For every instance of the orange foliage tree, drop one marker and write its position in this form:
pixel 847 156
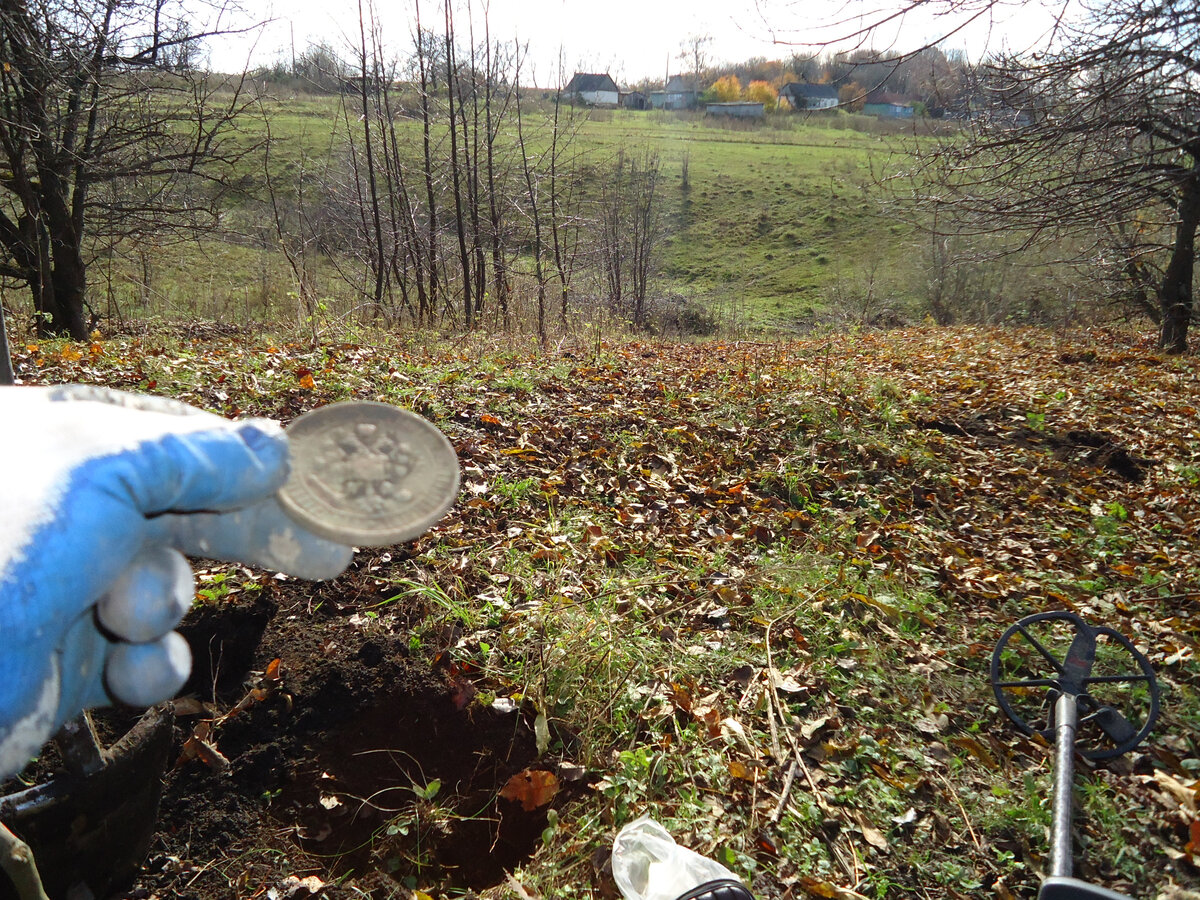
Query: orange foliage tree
pixel 852 96
pixel 762 92
pixel 727 89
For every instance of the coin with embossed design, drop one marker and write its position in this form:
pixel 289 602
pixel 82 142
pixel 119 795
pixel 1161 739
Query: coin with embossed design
pixel 368 474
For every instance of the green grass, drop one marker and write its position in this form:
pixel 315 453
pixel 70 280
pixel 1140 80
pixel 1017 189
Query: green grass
pixel 775 217
pixel 610 580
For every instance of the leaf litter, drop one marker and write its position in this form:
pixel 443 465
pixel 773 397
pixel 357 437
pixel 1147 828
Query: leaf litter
pixel 753 588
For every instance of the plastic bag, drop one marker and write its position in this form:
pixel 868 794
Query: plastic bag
pixel 648 865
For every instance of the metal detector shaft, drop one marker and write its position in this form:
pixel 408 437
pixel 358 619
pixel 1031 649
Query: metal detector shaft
pixel 1034 641
pixel 1066 722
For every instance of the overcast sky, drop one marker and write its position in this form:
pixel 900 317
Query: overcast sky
pixel 633 38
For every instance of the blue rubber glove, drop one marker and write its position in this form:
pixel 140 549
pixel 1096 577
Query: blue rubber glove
pixel 102 494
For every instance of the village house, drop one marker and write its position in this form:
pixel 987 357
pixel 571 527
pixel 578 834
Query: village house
pixel 888 105
pixel 635 100
pixel 809 96
pixel 593 90
pixel 889 110
pixel 680 92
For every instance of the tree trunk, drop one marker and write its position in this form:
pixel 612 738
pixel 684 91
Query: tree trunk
pixel 1175 295
pixel 58 283
pixel 68 284
pixel 460 225
pixel 7 376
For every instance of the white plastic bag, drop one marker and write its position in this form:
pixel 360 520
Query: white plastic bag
pixel 648 865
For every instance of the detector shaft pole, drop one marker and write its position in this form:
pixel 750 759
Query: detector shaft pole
pixel 1066 723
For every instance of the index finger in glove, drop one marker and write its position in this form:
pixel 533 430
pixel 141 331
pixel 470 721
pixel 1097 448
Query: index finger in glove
pixel 213 469
pixel 260 535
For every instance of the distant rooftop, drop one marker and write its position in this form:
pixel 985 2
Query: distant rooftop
pixel 584 81
pixel 809 91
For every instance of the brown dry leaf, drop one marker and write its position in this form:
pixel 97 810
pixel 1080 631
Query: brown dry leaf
pixel 188 706
pixel 1192 847
pixel 197 748
pixel 743 772
pixel 519 889
pixel 977 750
pixel 1184 794
pixel 1002 891
pixel 532 788
pixel 815 888
pixel 873 835
pixel 812 726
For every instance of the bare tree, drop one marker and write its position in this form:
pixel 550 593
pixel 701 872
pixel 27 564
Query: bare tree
pixel 1098 140
pixel 456 167
pixel 536 211
pixel 693 53
pixel 101 129
pixel 369 82
pixel 427 69
pixel 565 188
pixel 630 231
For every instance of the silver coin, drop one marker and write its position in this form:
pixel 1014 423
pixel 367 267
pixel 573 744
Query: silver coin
pixel 368 474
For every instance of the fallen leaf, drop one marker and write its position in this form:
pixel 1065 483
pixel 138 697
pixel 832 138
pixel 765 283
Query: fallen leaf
pixel 785 683
pixel 1183 793
pixel 742 772
pixel 532 788
pixel 1192 847
pixel 976 749
pixel 815 888
pixel 198 748
pixel 870 833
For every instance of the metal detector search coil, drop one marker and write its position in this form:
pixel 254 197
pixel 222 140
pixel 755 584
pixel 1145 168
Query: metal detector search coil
pixel 1056 676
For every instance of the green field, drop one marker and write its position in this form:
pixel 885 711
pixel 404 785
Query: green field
pixel 778 225
pixel 780 218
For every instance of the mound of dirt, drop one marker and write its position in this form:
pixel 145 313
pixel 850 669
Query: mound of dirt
pixel 357 764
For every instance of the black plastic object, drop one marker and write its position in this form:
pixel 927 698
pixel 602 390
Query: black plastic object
pixel 1033 674
pixel 90 832
pixel 1058 888
pixel 723 889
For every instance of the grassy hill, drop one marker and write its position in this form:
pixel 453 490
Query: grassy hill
pixel 779 219
pixel 776 224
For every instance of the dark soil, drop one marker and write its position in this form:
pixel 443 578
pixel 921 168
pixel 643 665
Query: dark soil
pixel 364 763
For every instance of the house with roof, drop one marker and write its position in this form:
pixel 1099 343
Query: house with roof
pixel 888 105
pixel 680 92
pixel 889 110
pixel 809 96
pixel 593 89
pixel 635 100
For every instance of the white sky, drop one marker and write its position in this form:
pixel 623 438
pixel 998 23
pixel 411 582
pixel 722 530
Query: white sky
pixel 633 38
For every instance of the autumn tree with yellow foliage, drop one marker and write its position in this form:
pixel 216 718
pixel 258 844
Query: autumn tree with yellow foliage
pixel 762 92
pixel 727 89
pixel 852 96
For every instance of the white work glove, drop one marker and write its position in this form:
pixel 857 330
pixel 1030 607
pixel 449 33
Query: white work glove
pixel 102 493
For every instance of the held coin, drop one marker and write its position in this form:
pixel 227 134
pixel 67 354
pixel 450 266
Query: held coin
pixel 368 474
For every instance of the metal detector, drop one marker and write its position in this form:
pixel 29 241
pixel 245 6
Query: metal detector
pixel 1090 691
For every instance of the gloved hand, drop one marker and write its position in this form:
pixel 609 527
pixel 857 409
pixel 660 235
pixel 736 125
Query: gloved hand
pixel 102 493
